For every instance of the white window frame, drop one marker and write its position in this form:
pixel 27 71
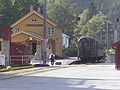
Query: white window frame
pixel 16 30
pixel 51 31
pixel 33 20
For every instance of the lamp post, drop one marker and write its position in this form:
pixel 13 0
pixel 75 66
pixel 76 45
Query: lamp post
pixel 44 30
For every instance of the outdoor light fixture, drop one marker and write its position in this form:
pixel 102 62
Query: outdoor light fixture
pixel 30 38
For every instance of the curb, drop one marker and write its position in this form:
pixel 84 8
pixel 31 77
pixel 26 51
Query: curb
pixel 9 68
pixel 15 68
pixel 12 74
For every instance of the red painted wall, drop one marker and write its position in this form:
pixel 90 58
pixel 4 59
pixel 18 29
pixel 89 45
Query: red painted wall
pixel 19 53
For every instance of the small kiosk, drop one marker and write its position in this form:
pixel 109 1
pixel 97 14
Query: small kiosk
pixel 116 45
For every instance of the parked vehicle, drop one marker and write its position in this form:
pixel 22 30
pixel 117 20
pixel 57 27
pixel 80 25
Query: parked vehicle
pixel 89 49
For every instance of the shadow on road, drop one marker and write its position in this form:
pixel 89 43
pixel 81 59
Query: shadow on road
pixel 52 83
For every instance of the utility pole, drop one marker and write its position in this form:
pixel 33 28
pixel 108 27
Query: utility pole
pixel 117 29
pixel 115 34
pixel 107 35
pixel 44 30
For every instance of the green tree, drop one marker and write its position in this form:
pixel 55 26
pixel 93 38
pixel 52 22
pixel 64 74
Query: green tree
pixel 64 13
pixel 5 12
pixel 21 7
pixel 92 9
pixel 12 10
pixel 95 25
pixel 81 28
pixel 89 26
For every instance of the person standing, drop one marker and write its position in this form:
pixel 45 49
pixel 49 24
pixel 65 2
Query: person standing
pixel 52 58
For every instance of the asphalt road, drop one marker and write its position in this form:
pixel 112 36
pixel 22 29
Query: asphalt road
pixel 77 77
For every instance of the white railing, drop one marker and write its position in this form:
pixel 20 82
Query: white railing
pixel 35 60
pixel 26 59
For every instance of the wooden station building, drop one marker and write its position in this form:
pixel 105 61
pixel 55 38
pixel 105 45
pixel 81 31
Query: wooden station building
pixel 28 30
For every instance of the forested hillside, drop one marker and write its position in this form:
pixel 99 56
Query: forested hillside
pixel 82 4
pixel 111 8
pixel 98 17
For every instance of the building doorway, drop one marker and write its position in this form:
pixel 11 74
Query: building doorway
pixel 33 48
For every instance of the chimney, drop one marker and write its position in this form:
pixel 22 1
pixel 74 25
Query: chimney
pixel 38 9
pixel 31 7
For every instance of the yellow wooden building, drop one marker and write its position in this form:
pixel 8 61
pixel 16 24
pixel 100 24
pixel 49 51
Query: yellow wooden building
pixel 29 30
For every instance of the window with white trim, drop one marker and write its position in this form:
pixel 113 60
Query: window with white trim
pixel 51 31
pixel 33 20
pixel 16 29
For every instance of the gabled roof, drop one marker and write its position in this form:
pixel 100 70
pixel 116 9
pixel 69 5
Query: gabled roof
pixel 116 44
pixel 34 12
pixel 63 34
pixel 37 36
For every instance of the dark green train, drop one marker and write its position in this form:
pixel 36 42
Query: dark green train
pixel 90 50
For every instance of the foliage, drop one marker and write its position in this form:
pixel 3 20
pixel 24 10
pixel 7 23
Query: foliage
pixel 89 26
pixel 12 10
pixel 71 52
pixel 110 51
pixel 5 11
pixel 109 7
pixel 64 13
pixel 95 25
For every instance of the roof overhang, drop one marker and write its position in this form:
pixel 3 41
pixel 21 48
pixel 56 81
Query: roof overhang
pixel 30 13
pixel 116 44
pixel 29 34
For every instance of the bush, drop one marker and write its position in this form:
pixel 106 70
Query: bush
pixel 110 51
pixel 71 52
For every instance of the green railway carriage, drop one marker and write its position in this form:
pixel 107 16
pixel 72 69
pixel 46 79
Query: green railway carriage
pixel 89 49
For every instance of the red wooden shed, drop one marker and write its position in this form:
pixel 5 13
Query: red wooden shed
pixel 116 45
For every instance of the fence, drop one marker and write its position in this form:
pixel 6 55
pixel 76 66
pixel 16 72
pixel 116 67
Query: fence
pixel 25 59
pixel 20 59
